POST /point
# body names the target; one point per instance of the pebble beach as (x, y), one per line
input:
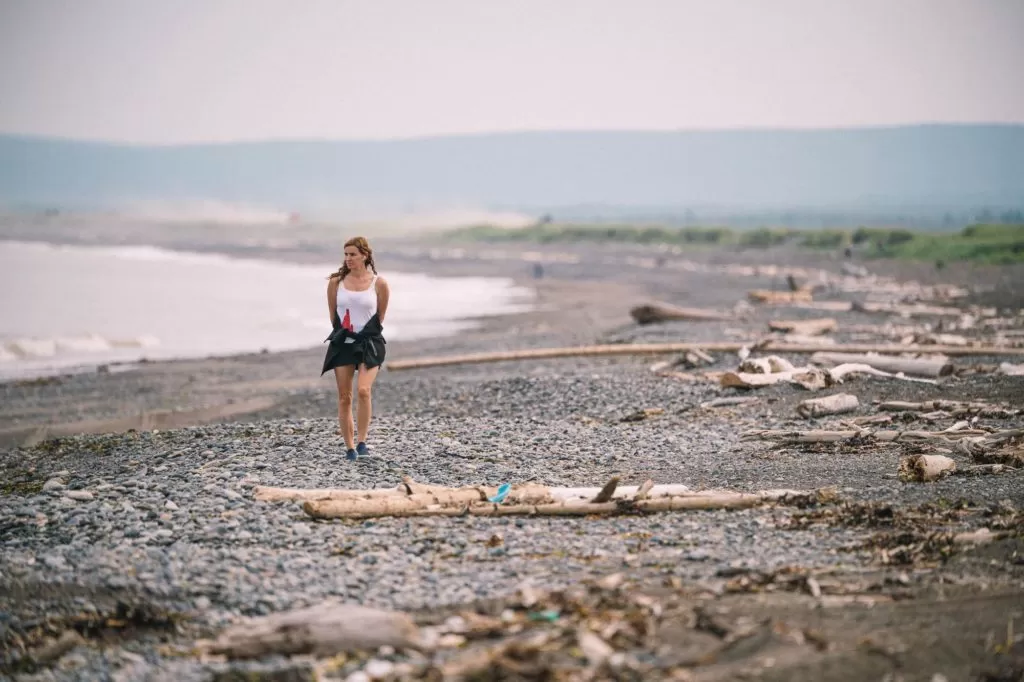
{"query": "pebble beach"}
(157, 530)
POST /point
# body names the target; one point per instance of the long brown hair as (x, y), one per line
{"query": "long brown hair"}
(364, 248)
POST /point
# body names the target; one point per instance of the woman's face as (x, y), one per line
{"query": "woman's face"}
(353, 258)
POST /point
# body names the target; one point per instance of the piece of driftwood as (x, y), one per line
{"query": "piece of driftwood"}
(913, 366)
(810, 378)
(804, 340)
(663, 348)
(906, 310)
(607, 500)
(839, 403)
(860, 436)
(605, 494)
(526, 493)
(1011, 370)
(767, 365)
(804, 327)
(651, 313)
(925, 468)
(952, 408)
(322, 630)
(769, 296)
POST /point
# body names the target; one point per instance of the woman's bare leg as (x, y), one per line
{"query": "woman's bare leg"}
(343, 375)
(364, 408)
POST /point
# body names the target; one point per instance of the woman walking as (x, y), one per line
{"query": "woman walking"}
(357, 299)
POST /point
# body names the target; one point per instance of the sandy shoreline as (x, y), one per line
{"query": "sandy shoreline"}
(874, 576)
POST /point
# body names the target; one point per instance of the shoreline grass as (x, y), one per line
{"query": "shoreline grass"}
(981, 243)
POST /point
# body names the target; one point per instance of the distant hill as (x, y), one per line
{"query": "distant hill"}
(938, 166)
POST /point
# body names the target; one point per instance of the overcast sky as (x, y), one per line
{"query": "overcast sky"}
(162, 71)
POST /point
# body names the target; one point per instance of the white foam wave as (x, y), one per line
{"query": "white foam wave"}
(27, 349)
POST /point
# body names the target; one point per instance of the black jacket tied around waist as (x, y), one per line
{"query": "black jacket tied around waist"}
(368, 346)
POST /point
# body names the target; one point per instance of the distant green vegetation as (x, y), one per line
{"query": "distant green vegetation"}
(996, 244)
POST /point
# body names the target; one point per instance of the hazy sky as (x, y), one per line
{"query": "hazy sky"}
(167, 71)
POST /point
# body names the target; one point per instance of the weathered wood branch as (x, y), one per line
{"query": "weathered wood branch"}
(913, 366)
(663, 312)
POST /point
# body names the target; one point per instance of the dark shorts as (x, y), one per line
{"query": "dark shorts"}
(349, 354)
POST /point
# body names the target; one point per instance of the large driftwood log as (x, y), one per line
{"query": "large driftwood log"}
(804, 327)
(663, 312)
(662, 348)
(322, 630)
(839, 403)
(608, 500)
(913, 366)
(528, 493)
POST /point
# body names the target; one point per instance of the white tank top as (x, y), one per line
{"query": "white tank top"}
(355, 308)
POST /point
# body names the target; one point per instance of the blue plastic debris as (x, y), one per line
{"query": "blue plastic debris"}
(503, 491)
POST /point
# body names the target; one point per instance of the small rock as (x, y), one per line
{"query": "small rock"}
(79, 495)
(170, 505)
(54, 484)
(378, 669)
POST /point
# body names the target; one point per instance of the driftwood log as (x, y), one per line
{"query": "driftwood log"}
(527, 493)
(839, 403)
(663, 312)
(863, 436)
(323, 630)
(939, 367)
(955, 408)
(662, 348)
(412, 499)
(804, 327)
(810, 378)
(370, 508)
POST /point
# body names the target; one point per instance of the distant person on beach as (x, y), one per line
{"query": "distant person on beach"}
(357, 299)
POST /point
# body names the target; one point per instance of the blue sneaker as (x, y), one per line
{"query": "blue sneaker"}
(362, 450)
(351, 454)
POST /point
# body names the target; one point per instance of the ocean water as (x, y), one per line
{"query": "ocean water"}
(67, 308)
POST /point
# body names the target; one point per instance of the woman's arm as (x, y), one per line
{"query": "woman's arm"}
(383, 294)
(332, 298)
